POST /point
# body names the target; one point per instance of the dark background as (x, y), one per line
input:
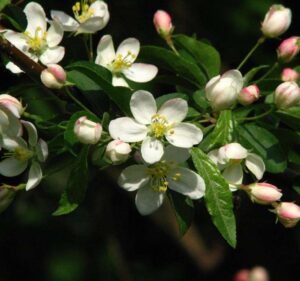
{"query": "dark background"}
(105, 238)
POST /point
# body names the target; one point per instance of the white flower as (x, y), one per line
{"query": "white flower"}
(122, 61)
(89, 18)
(21, 154)
(12, 104)
(37, 42)
(10, 125)
(229, 158)
(151, 126)
(153, 181)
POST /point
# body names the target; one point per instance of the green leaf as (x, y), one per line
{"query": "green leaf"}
(296, 184)
(3, 3)
(252, 72)
(222, 133)
(218, 197)
(200, 99)
(76, 185)
(15, 16)
(184, 211)
(205, 55)
(181, 67)
(265, 144)
(92, 77)
(290, 117)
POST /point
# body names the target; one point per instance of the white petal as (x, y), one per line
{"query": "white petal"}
(11, 167)
(31, 131)
(127, 129)
(13, 68)
(184, 135)
(55, 34)
(42, 150)
(99, 8)
(234, 151)
(129, 46)
(214, 156)
(35, 176)
(118, 81)
(17, 39)
(52, 55)
(152, 150)
(11, 144)
(133, 177)
(141, 72)
(147, 200)
(176, 154)
(189, 183)
(233, 174)
(143, 106)
(256, 165)
(105, 51)
(91, 25)
(10, 123)
(36, 18)
(68, 23)
(175, 110)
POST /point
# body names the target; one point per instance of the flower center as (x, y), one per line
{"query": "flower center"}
(121, 62)
(82, 10)
(22, 154)
(158, 173)
(159, 126)
(38, 42)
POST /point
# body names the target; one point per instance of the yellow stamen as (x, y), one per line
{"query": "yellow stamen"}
(82, 11)
(22, 154)
(159, 126)
(120, 63)
(38, 42)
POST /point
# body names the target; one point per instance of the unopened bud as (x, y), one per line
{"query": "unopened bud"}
(54, 76)
(242, 275)
(87, 131)
(222, 90)
(276, 21)
(258, 273)
(249, 95)
(264, 193)
(12, 104)
(289, 74)
(287, 94)
(163, 23)
(288, 49)
(118, 151)
(288, 213)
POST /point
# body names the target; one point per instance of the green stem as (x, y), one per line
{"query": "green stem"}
(79, 103)
(91, 53)
(257, 116)
(274, 66)
(171, 45)
(258, 43)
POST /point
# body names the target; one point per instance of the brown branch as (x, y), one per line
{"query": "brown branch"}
(29, 66)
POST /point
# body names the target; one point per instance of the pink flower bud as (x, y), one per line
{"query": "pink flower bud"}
(222, 90)
(288, 213)
(163, 23)
(54, 76)
(242, 275)
(118, 151)
(258, 273)
(87, 131)
(264, 193)
(288, 49)
(276, 21)
(12, 104)
(287, 94)
(289, 74)
(248, 95)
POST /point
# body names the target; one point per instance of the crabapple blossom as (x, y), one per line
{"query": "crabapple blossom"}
(288, 49)
(11, 103)
(222, 91)
(163, 23)
(37, 42)
(263, 193)
(153, 181)
(118, 151)
(288, 213)
(54, 76)
(87, 131)
(151, 126)
(287, 94)
(21, 154)
(258, 273)
(289, 74)
(229, 159)
(89, 18)
(10, 125)
(248, 95)
(276, 21)
(121, 62)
